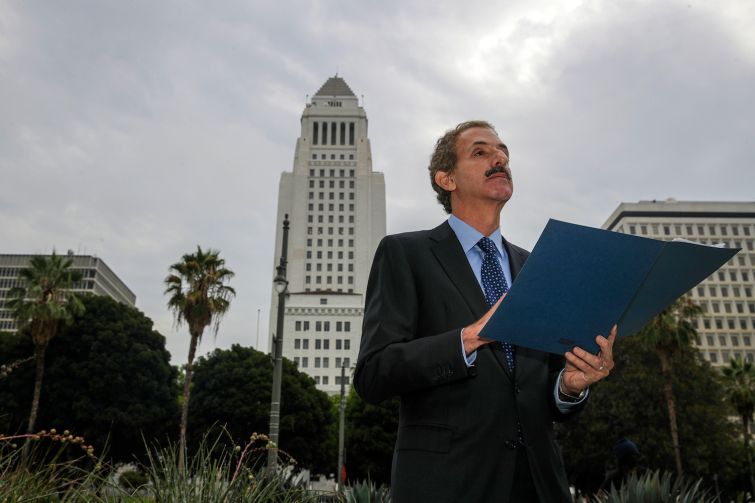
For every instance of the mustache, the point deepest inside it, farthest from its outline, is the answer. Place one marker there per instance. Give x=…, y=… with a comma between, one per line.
x=499, y=169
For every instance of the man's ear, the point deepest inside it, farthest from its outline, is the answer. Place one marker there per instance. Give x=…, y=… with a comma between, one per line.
x=445, y=179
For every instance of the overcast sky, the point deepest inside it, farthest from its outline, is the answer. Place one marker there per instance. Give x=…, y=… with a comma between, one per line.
x=137, y=130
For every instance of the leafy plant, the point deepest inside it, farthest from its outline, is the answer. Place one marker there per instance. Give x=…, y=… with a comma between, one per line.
x=366, y=491
x=656, y=487
x=215, y=474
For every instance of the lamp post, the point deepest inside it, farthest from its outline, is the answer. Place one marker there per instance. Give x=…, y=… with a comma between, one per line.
x=281, y=286
x=341, y=412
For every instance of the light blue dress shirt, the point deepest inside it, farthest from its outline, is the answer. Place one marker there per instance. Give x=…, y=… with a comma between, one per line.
x=468, y=236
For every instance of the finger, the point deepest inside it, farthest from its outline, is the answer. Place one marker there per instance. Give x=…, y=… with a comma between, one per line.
x=594, y=361
x=493, y=308
x=580, y=364
x=606, y=347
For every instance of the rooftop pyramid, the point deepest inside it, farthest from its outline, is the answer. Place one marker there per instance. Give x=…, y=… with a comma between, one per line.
x=335, y=86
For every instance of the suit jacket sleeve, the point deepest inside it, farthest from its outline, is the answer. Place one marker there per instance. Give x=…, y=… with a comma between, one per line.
x=393, y=358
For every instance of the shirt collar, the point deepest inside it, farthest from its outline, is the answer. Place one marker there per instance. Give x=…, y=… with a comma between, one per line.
x=469, y=236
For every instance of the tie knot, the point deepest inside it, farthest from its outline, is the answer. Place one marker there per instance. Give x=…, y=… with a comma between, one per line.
x=487, y=245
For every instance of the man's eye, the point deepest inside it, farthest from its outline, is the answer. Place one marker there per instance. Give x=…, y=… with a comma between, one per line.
x=477, y=153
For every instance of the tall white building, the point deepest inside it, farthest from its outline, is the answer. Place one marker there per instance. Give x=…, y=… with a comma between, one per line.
x=336, y=206
x=97, y=278
x=727, y=327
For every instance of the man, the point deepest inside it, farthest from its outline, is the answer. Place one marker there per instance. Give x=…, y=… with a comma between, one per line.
x=476, y=419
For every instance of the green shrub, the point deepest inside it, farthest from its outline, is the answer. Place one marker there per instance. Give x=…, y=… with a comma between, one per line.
x=367, y=491
x=655, y=487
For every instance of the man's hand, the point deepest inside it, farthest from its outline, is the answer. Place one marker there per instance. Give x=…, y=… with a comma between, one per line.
x=583, y=369
x=471, y=335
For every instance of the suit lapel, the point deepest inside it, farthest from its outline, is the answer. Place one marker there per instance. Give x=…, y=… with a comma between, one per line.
x=449, y=253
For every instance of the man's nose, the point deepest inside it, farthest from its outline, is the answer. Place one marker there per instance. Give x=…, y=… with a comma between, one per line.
x=501, y=158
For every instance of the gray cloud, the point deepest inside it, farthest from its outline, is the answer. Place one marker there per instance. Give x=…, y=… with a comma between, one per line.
x=139, y=130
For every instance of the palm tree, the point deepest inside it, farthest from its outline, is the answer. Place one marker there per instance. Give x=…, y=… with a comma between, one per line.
x=740, y=392
x=669, y=333
x=42, y=303
x=199, y=297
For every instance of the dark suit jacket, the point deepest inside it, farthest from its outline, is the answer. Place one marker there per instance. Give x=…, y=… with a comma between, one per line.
x=457, y=425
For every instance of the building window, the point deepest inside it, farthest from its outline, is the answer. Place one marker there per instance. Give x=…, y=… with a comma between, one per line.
x=338, y=343
x=318, y=344
x=324, y=133
x=323, y=301
x=318, y=326
x=326, y=326
x=298, y=327
x=325, y=380
x=351, y=135
x=315, y=133
x=713, y=357
x=343, y=134
x=317, y=362
x=346, y=344
x=326, y=344
x=297, y=343
x=304, y=362
x=305, y=343
x=296, y=361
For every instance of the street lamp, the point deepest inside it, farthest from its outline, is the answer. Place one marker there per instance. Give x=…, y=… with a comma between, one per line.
x=281, y=286
x=341, y=413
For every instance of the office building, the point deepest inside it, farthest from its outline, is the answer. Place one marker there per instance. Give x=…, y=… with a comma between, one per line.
x=727, y=328
x=97, y=278
x=336, y=206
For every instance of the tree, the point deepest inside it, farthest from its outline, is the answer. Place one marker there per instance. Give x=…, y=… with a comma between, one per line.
x=232, y=389
x=630, y=404
x=370, y=438
x=41, y=304
x=740, y=393
x=668, y=333
x=199, y=297
x=109, y=380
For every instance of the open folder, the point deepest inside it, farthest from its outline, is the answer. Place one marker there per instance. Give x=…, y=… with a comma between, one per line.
x=580, y=281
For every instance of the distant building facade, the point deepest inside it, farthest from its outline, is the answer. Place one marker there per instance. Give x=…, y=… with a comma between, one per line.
x=727, y=328
x=336, y=206
x=97, y=278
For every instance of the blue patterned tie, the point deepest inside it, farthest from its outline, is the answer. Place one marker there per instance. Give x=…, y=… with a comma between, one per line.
x=494, y=284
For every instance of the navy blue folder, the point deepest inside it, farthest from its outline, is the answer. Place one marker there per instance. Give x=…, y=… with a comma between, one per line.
x=580, y=281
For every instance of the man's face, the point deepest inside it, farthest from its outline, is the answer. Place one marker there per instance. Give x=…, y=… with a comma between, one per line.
x=482, y=169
